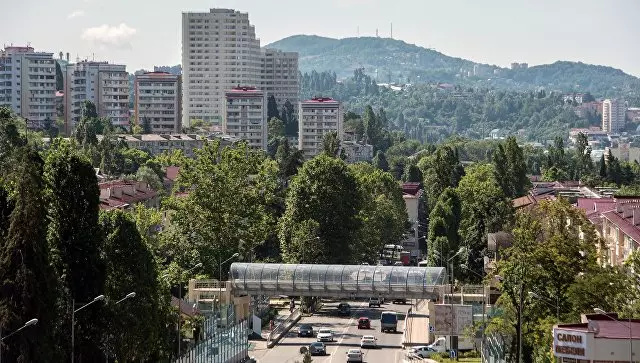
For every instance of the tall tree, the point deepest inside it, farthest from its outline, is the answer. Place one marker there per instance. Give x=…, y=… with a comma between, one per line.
x=275, y=128
x=75, y=238
x=517, y=167
x=213, y=221
x=289, y=160
x=325, y=192
x=59, y=78
x=412, y=174
x=440, y=170
x=272, y=108
x=383, y=212
x=331, y=144
x=27, y=285
x=380, y=161
x=443, y=236
x=133, y=328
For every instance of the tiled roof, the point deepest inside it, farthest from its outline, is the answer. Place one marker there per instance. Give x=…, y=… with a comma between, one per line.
x=607, y=328
x=625, y=224
x=172, y=172
x=110, y=201
x=411, y=188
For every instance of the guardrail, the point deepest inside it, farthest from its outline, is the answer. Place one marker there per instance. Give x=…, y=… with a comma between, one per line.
x=276, y=334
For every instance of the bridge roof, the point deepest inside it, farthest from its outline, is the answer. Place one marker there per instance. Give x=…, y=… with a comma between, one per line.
x=336, y=280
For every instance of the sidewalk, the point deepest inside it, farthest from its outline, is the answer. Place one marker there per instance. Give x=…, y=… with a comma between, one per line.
x=417, y=327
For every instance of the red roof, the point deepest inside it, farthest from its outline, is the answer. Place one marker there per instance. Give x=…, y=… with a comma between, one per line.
x=411, y=188
x=172, y=172
x=625, y=224
x=125, y=200
x=322, y=100
x=607, y=328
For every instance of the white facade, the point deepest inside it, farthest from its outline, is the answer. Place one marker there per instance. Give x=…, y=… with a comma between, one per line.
x=246, y=116
x=613, y=116
x=279, y=76
x=317, y=117
x=158, y=102
x=220, y=51
x=28, y=84
x=105, y=85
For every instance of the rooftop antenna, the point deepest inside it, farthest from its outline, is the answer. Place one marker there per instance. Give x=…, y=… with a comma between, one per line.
x=377, y=33
x=391, y=30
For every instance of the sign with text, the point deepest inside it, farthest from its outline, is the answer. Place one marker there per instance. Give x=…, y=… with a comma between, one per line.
x=569, y=344
x=442, y=319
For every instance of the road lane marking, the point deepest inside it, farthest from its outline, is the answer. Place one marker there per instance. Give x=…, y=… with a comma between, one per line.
x=344, y=331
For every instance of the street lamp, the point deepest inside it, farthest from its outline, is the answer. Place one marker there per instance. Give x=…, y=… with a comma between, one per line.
x=130, y=295
x=235, y=255
x=602, y=312
x=198, y=265
x=484, y=298
x=546, y=301
x=73, y=321
x=461, y=250
x=26, y=325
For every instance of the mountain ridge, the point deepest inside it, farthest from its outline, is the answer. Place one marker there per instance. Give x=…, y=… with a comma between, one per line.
x=396, y=61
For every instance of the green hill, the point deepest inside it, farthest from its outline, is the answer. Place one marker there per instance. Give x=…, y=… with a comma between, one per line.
x=391, y=60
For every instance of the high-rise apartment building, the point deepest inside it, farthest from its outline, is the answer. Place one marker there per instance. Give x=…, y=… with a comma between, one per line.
x=105, y=85
x=246, y=116
x=279, y=76
x=220, y=51
x=613, y=116
x=317, y=117
x=158, y=101
x=28, y=84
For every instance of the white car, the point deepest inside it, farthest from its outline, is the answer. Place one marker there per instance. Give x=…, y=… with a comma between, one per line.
x=368, y=341
x=325, y=335
x=423, y=351
x=354, y=355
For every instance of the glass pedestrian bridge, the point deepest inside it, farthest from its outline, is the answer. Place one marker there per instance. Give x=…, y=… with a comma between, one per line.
x=340, y=281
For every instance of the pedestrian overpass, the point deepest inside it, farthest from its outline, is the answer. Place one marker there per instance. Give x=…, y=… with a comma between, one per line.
x=338, y=281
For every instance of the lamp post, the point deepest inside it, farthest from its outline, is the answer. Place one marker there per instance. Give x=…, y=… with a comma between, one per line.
x=198, y=265
x=73, y=321
x=461, y=250
x=484, y=298
x=130, y=295
x=220, y=280
x=602, y=312
x=26, y=325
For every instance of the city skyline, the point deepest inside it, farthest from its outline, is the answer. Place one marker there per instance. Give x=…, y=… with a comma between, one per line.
x=498, y=33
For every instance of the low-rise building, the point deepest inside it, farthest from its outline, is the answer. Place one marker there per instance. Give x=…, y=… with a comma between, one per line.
x=601, y=338
x=357, y=152
x=125, y=194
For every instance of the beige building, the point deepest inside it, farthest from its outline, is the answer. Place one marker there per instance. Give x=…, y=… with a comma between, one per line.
x=158, y=102
x=246, y=116
x=28, y=84
x=104, y=84
x=613, y=116
x=220, y=51
x=279, y=76
x=317, y=117
x=357, y=152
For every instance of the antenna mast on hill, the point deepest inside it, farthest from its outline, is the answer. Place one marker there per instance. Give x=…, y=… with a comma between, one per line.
x=358, y=31
x=377, y=33
x=391, y=30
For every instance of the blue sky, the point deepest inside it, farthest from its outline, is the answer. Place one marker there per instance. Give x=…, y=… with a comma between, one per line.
x=143, y=33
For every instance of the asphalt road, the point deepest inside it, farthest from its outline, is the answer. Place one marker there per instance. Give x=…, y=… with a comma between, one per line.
x=346, y=335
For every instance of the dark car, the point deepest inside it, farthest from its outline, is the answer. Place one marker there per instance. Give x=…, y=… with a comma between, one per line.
x=305, y=330
x=364, y=323
x=344, y=308
x=317, y=348
x=400, y=301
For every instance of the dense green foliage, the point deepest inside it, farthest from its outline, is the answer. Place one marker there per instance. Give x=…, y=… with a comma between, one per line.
x=389, y=60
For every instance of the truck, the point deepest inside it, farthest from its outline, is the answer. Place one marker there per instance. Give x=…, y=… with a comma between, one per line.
x=443, y=344
x=389, y=321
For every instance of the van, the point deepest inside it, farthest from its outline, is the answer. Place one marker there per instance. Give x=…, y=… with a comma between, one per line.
x=389, y=321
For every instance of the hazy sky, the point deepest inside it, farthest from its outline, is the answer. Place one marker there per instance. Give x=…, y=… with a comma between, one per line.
x=144, y=33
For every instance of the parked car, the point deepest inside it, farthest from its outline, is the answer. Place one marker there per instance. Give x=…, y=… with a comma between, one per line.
x=305, y=330
x=344, y=308
x=374, y=301
x=317, y=348
x=423, y=351
x=325, y=335
x=354, y=355
x=364, y=323
x=368, y=341
x=399, y=301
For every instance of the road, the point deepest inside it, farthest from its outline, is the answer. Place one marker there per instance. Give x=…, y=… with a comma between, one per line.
x=346, y=334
